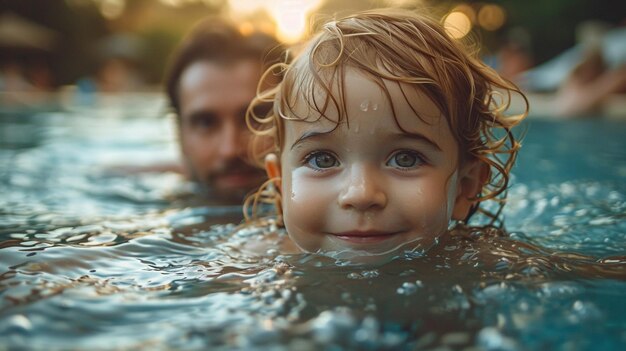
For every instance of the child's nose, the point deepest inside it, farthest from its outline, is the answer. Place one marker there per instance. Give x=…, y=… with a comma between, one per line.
x=363, y=190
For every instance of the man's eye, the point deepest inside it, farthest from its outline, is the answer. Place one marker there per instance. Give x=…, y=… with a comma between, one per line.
x=405, y=159
x=321, y=160
x=204, y=122
x=241, y=116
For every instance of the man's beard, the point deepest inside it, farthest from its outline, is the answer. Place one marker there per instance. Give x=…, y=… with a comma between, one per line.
x=231, y=194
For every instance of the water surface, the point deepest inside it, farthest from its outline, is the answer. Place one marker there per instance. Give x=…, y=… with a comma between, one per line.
x=94, y=259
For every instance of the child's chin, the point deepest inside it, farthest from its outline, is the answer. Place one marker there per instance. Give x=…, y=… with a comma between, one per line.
x=372, y=257
x=363, y=258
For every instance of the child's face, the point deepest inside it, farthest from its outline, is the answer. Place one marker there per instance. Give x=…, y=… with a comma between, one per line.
x=371, y=189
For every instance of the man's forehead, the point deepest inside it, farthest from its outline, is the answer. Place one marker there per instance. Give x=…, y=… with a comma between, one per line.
x=214, y=75
x=221, y=89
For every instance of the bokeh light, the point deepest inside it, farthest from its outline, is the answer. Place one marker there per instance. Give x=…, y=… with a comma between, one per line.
x=457, y=24
x=112, y=9
x=289, y=16
x=246, y=28
x=491, y=17
x=467, y=10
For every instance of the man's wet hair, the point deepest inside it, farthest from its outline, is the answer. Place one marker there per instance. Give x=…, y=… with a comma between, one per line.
x=218, y=40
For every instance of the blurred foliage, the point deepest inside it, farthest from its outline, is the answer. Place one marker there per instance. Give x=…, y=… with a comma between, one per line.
x=80, y=25
x=76, y=27
x=552, y=24
x=159, y=45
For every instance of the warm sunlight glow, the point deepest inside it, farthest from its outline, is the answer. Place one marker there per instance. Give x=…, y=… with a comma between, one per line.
x=112, y=9
x=246, y=7
x=491, y=17
x=246, y=28
x=290, y=16
x=457, y=24
x=174, y=3
x=401, y=2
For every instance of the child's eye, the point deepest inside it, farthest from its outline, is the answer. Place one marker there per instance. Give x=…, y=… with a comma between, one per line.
x=405, y=159
x=321, y=160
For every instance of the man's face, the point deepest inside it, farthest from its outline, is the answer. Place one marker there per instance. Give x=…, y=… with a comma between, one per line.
x=213, y=133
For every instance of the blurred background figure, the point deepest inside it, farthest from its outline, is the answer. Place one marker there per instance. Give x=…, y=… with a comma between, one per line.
x=212, y=78
x=116, y=70
x=515, y=54
x=599, y=74
x=12, y=78
x=585, y=76
x=25, y=51
x=118, y=61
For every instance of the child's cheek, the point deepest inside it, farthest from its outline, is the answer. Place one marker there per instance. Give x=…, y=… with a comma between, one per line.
x=301, y=193
x=424, y=208
x=304, y=209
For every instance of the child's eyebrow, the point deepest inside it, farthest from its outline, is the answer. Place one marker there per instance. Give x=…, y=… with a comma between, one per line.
x=415, y=136
x=305, y=136
x=419, y=137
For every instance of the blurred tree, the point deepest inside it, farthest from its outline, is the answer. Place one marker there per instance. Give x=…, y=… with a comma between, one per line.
x=552, y=24
x=78, y=24
x=160, y=27
x=159, y=45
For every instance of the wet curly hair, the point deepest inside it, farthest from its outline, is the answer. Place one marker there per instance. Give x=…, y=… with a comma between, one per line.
x=410, y=49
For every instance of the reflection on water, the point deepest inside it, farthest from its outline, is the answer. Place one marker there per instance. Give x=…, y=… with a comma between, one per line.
x=90, y=260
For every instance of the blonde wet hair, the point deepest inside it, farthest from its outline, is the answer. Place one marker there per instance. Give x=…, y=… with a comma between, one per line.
x=410, y=49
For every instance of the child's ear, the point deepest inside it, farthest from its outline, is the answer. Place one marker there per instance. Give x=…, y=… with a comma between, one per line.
x=472, y=177
x=272, y=168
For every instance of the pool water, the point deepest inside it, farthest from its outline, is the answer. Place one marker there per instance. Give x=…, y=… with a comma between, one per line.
x=91, y=258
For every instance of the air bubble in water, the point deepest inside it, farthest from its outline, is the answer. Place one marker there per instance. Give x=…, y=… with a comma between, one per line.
x=408, y=288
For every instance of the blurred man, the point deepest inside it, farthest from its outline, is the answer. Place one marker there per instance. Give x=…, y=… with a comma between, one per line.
x=212, y=79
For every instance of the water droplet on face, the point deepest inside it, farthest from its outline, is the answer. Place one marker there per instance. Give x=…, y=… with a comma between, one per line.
x=365, y=105
x=375, y=107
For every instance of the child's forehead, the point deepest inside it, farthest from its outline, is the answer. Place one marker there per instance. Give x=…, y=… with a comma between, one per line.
x=364, y=92
x=374, y=110
x=358, y=93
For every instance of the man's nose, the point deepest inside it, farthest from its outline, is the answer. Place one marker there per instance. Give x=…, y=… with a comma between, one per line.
x=232, y=143
x=364, y=190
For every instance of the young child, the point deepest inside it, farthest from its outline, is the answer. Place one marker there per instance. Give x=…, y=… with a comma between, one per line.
x=385, y=131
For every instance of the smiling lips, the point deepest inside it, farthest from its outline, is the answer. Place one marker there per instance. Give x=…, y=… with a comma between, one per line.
x=365, y=236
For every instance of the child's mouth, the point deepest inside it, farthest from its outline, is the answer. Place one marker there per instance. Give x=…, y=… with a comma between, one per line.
x=365, y=236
